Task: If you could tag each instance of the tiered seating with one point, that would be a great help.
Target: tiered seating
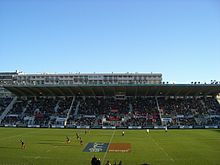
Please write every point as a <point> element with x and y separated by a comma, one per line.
<point>189,111</point>
<point>93,109</point>
<point>131,111</point>
<point>40,110</point>
<point>212,106</point>
<point>145,112</point>
<point>15,115</point>
<point>89,106</point>
<point>4,102</point>
<point>64,104</point>
<point>114,110</point>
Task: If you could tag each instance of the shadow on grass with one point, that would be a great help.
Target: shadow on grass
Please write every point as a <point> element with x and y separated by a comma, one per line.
<point>56,144</point>
<point>217,130</point>
<point>63,145</point>
<point>47,143</point>
<point>51,140</point>
<point>13,148</point>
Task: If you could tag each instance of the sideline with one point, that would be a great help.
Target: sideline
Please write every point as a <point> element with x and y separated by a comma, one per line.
<point>162,149</point>
<point>103,159</point>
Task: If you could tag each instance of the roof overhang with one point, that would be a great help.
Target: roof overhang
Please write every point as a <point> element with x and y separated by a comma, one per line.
<point>114,89</point>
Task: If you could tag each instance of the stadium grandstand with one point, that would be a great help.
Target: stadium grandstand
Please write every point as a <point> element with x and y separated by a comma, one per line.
<point>112,100</point>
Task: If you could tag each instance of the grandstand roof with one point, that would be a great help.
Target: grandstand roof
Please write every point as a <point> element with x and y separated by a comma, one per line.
<point>112,90</point>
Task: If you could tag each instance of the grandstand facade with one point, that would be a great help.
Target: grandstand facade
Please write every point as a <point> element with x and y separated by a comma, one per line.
<point>128,100</point>
<point>6,78</point>
<point>20,78</point>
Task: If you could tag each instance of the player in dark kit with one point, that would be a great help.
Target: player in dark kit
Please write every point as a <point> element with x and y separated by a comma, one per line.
<point>166,129</point>
<point>67,140</point>
<point>98,162</point>
<point>94,160</point>
<point>81,141</point>
<point>77,136</point>
<point>22,144</point>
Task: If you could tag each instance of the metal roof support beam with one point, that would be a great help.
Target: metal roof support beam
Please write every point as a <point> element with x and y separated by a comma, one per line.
<point>114,90</point>
<point>136,89</point>
<point>157,92</point>
<point>28,90</point>
<point>146,92</point>
<point>187,93</point>
<point>93,93</point>
<point>103,91</point>
<point>65,91</point>
<point>18,91</point>
<point>48,89</point>
<point>60,91</point>
<point>179,91</point>
<point>131,90</point>
<point>70,91</point>
<point>81,91</point>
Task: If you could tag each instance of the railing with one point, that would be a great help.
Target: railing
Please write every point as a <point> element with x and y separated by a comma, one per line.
<point>69,111</point>
<point>77,109</point>
<point>9,107</point>
<point>130,108</point>
<point>158,108</point>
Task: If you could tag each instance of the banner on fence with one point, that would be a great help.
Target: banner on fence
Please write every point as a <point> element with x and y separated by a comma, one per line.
<point>108,127</point>
<point>134,127</point>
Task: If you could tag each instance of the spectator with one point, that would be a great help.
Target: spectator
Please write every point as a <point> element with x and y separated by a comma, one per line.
<point>94,160</point>
<point>98,162</point>
<point>108,163</point>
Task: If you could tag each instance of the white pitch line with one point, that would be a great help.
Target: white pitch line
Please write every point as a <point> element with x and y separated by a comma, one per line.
<point>162,149</point>
<point>53,147</point>
<point>108,146</point>
<point>19,135</point>
<point>37,157</point>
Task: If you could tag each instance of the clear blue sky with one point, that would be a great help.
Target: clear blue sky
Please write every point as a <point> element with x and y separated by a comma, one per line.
<point>178,38</point>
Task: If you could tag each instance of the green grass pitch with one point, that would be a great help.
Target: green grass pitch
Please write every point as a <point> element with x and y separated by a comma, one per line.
<point>48,147</point>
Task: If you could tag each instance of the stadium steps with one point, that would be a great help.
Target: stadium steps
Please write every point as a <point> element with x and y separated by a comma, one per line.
<point>158,108</point>
<point>77,109</point>
<point>198,120</point>
<point>130,108</point>
<point>57,106</point>
<point>203,103</point>
<point>31,120</point>
<point>25,108</point>
<point>69,111</point>
<point>218,98</point>
<point>23,112</point>
<point>9,107</point>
